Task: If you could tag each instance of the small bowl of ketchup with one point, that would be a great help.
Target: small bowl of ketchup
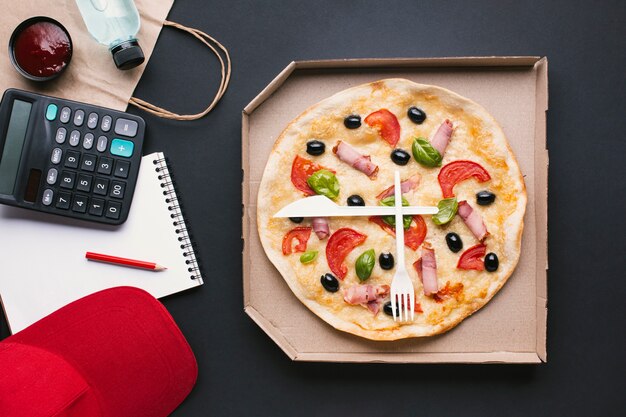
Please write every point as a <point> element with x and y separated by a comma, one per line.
<point>40,48</point>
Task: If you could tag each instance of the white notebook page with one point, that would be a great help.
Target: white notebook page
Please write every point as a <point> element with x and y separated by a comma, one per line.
<point>42,256</point>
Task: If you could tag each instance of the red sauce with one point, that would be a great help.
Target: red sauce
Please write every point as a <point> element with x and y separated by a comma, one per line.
<point>42,49</point>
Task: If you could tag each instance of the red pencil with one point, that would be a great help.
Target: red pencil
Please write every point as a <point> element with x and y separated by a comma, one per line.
<point>124,261</point>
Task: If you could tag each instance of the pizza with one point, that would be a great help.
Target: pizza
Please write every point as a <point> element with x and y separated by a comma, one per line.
<point>451,153</point>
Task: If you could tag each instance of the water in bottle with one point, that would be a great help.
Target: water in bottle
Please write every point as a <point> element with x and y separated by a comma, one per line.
<point>114,23</point>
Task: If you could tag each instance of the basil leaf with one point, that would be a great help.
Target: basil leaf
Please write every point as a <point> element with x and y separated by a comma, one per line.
<point>425,154</point>
<point>391,220</point>
<point>365,264</point>
<point>447,209</point>
<point>324,182</point>
<point>308,256</point>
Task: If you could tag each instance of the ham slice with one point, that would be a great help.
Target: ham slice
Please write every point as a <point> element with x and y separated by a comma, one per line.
<point>407,185</point>
<point>369,296</point>
<point>321,227</point>
<point>426,267</point>
<point>442,136</point>
<point>473,220</point>
<point>352,157</point>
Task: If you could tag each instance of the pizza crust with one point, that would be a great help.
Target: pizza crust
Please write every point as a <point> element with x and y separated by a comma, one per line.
<point>477,137</point>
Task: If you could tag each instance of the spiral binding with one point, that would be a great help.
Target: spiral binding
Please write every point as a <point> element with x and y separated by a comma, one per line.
<point>178,221</point>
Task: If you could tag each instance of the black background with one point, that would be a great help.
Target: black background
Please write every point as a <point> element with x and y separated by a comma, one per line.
<point>241,371</point>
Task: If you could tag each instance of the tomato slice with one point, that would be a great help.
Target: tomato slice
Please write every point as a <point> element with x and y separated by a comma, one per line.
<point>301,170</point>
<point>413,237</point>
<point>387,125</point>
<point>301,234</point>
<point>472,258</point>
<point>339,245</point>
<point>457,171</point>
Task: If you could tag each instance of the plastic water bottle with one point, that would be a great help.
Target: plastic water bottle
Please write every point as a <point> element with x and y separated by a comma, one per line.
<point>114,23</point>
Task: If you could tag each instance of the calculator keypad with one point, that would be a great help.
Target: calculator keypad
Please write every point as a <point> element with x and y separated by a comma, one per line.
<point>60,136</point>
<point>67,179</point>
<point>79,118</point>
<point>71,159</point>
<point>74,138</point>
<point>56,155</point>
<point>88,141</point>
<point>51,178</point>
<point>102,143</point>
<point>91,163</point>
<point>106,123</point>
<point>63,200</point>
<point>66,113</point>
<point>92,120</point>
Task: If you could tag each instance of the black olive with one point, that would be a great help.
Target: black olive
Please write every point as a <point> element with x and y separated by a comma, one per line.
<point>352,122</point>
<point>330,283</point>
<point>315,147</point>
<point>491,262</point>
<point>355,200</point>
<point>296,219</point>
<point>484,198</point>
<point>416,115</point>
<point>388,310</point>
<point>400,157</point>
<point>454,242</point>
<point>385,260</point>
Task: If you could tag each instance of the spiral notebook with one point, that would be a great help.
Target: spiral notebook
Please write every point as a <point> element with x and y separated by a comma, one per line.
<point>42,257</point>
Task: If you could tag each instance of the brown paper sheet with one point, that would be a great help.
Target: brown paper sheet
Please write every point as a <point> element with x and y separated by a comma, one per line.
<point>511,328</point>
<point>91,76</point>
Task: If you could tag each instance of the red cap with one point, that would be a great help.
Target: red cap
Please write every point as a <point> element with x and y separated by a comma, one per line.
<point>115,353</point>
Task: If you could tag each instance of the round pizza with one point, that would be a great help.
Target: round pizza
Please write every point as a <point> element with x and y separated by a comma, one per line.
<point>450,152</point>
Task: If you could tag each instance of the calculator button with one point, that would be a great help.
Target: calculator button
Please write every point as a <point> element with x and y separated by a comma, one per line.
<point>92,120</point>
<point>88,141</point>
<point>121,147</point>
<point>105,126</point>
<point>126,127</point>
<point>51,112</point>
<point>122,168</point>
<point>63,200</point>
<point>79,117</point>
<point>48,195</point>
<point>79,204</point>
<point>61,134</point>
<point>100,186</point>
<point>71,159</point>
<point>56,155</point>
<point>96,208</point>
<point>51,178</point>
<point>68,179</point>
<point>117,189</point>
<point>105,166</point>
<point>113,210</point>
<point>101,146</point>
<point>89,163</point>
<point>66,113</point>
<point>74,138</point>
<point>84,183</point>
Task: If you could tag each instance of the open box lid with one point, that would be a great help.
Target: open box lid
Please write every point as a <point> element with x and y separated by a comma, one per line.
<point>511,328</point>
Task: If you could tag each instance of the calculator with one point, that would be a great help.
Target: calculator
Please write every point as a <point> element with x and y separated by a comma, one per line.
<point>68,158</point>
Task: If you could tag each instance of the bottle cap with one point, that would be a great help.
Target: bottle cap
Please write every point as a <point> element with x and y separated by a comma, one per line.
<point>127,55</point>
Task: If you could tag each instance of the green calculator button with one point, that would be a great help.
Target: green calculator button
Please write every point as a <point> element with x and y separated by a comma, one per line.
<point>121,147</point>
<point>51,112</point>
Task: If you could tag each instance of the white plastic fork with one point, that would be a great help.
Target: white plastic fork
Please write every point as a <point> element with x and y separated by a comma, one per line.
<point>402,292</point>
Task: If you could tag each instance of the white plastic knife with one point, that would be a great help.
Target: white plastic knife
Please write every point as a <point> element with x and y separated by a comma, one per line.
<point>321,206</point>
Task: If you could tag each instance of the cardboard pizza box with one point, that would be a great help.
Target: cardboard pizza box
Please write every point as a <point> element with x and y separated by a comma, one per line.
<point>511,328</point>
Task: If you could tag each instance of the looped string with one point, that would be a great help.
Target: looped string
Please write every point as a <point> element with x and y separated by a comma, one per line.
<point>226,70</point>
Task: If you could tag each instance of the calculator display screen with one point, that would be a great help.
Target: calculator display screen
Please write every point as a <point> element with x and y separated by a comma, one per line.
<point>13,144</point>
